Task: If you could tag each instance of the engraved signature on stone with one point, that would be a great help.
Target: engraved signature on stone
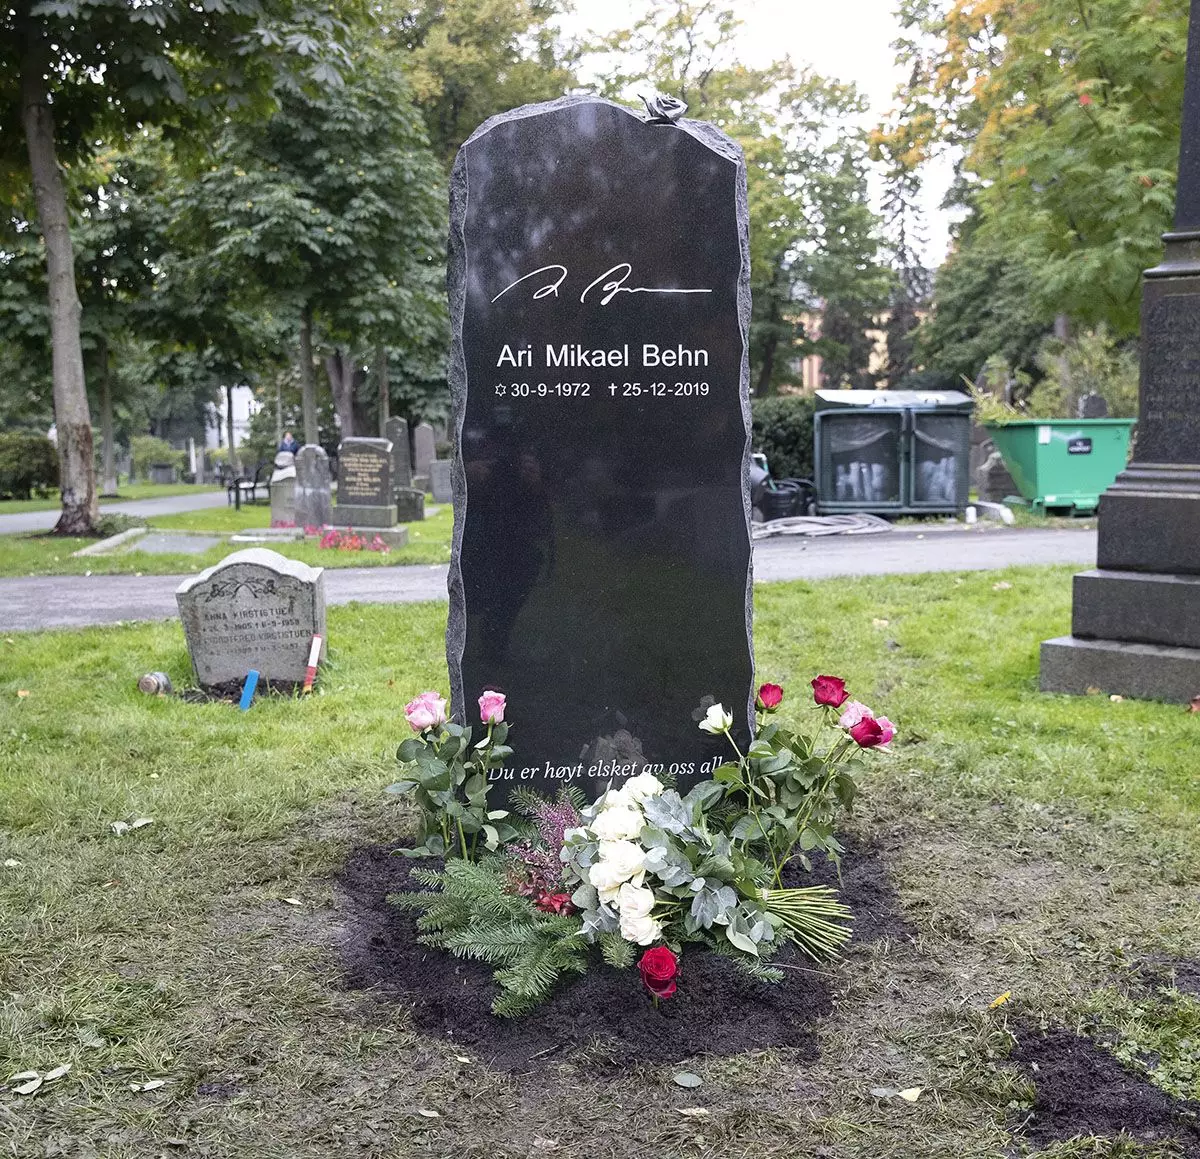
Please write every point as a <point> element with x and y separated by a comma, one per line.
<point>611,283</point>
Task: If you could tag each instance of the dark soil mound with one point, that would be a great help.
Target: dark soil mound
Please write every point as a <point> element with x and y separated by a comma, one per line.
<point>717,1009</point>
<point>1084,1090</point>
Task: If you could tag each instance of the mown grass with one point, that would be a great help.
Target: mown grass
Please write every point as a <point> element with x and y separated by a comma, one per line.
<point>40,554</point>
<point>126,492</point>
<point>1042,846</point>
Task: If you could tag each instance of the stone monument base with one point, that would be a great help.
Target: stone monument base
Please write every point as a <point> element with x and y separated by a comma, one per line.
<point>410,505</point>
<point>1143,671</point>
<point>355,515</point>
<point>392,536</point>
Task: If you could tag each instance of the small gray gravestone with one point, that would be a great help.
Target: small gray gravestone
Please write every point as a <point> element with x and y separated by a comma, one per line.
<point>440,481</point>
<point>397,430</point>
<point>1093,406</point>
<point>253,610</point>
<point>410,505</point>
<point>424,453</point>
<point>994,480</point>
<point>283,490</point>
<point>364,496</point>
<point>314,492</point>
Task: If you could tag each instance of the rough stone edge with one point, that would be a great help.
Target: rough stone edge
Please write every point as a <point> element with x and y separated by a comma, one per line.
<point>456,291</point>
<point>275,561</point>
<point>104,546</point>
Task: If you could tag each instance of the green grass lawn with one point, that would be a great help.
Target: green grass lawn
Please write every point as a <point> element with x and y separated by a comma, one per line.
<point>1041,846</point>
<point>127,491</point>
<point>40,554</point>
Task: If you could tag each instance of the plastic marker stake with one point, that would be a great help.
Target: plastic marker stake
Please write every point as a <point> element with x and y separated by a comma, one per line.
<point>314,654</point>
<point>248,690</point>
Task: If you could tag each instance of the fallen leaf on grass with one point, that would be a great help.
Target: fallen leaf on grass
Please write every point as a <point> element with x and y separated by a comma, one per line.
<point>685,1078</point>
<point>908,1094</point>
<point>28,1088</point>
<point>120,828</point>
<point>22,693</point>
<point>1116,699</point>
<point>1000,1001</point>
<point>426,1113</point>
<point>12,863</point>
<point>692,1112</point>
<point>541,1143</point>
<point>1002,586</point>
<point>25,1074</point>
<point>880,623</point>
<point>57,1072</point>
<point>292,901</point>
<point>152,1085</point>
<point>461,1058</point>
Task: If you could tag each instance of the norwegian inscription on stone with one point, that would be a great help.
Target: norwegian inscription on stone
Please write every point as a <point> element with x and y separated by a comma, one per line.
<point>1169,423</point>
<point>364,472</point>
<point>253,610</point>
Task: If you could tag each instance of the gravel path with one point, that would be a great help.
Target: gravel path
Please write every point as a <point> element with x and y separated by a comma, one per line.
<point>76,601</point>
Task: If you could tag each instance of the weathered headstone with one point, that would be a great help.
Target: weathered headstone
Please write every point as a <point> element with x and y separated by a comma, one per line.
<point>995,481</point>
<point>364,495</point>
<point>1093,406</point>
<point>440,485</point>
<point>254,609</point>
<point>1135,630</point>
<point>424,453</point>
<point>396,429</point>
<point>314,491</point>
<point>283,490</point>
<point>410,505</point>
<point>599,289</point>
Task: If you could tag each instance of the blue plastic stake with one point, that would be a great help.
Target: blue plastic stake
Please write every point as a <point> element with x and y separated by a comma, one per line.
<point>248,690</point>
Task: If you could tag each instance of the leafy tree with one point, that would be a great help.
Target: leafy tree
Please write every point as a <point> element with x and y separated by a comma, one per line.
<point>75,71</point>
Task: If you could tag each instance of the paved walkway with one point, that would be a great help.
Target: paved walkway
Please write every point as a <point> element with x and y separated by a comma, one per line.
<point>167,505</point>
<point>77,601</point>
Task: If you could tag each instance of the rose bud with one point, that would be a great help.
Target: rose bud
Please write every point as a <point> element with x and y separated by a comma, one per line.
<point>658,967</point>
<point>491,707</point>
<point>769,697</point>
<point>872,733</point>
<point>830,690</point>
<point>427,711</point>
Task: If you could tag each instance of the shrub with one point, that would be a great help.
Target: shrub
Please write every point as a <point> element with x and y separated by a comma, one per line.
<point>783,431</point>
<point>146,450</point>
<point>28,463</point>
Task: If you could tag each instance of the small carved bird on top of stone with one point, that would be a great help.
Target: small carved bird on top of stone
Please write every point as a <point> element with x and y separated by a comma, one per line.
<point>664,110</point>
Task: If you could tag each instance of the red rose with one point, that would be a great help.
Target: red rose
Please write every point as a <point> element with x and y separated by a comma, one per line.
<point>554,903</point>
<point>769,697</point>
<point>830,690</point>
<point>659,967</point>
<point>870,733</point>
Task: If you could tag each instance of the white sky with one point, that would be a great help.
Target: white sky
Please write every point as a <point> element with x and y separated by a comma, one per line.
<point>846,40</point>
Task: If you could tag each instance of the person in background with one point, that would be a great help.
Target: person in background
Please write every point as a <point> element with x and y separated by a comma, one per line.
<point>288,443</point>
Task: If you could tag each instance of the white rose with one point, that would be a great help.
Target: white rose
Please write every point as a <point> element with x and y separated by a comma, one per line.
<point>644,785</point>
<point>717,720</point>
<point>618,824</point>
<point>635,900</point>
<point>619,861</point>
<point>642,930</point>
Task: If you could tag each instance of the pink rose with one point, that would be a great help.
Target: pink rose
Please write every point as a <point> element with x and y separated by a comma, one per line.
<point>770,696</point>
<point>427,711</point>
<point>491,707</point>
<point>830,690</point>
<point>853,713</point>
<point>871,733</point>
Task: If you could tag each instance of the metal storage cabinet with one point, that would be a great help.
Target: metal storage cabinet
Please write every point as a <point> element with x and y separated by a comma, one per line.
<point>892,452</point>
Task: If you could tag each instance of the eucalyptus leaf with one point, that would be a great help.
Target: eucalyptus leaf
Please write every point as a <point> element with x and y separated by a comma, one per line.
<point>685,1078</point>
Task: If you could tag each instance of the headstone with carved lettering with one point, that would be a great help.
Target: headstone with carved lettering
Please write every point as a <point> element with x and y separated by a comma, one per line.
<point>599,290</point>
<point>1135,629</point>
<point>253,610</point>
<point>364,491</point>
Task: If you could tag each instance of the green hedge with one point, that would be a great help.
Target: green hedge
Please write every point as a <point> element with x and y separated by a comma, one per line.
<point>783,431</point>
<point>28,463</point>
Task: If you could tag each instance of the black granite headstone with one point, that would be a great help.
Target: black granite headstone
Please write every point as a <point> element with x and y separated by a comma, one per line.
<point>599,287</point>
<point>364,496</point>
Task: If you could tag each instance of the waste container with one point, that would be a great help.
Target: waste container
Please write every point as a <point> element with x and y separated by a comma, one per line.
<point>892,452</point>
<point>1063,463</point>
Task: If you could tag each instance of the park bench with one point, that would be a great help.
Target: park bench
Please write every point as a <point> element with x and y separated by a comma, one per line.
<point>245,489</point>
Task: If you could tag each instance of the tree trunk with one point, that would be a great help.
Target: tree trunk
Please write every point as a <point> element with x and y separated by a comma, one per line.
<point>72,419</point>
<point>106,424</point>
<point>340,367</point>
<point>381,366</point>
<point>308,382</point>
<point>278,409</point>
<point>233,455</point>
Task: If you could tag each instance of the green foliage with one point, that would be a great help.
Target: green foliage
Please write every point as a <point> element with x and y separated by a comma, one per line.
<point>28,464</point>
<point>783,431</point>
<point>146,450</point>
<point>1091,362</point>
<point>617,952</point>
<point>474,915</point>
<point>448,777</point>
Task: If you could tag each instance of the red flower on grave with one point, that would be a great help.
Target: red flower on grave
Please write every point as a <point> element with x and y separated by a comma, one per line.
<point>658,966</point>
<point>830,690</point>
<point>554,903</point>
<point>870,733</point>
<point>769,697</point>
<point>1085,98</point>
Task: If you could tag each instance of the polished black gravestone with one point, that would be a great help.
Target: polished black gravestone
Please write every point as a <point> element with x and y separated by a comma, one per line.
<point>1135,623</point>
<point>364,495</point>
<point>599,289</point>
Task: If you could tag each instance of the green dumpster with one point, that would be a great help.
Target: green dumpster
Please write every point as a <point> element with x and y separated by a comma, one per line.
<point>1064,463</point>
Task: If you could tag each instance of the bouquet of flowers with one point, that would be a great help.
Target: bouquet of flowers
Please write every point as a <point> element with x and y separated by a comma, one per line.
<point>643,866</point>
